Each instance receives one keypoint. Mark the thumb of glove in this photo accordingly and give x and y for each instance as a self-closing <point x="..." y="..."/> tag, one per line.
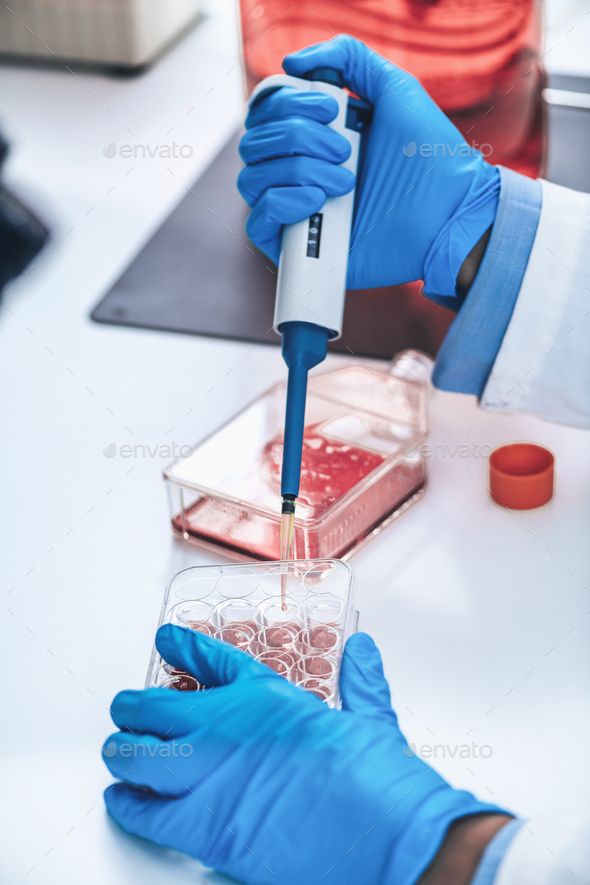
<point x="363" y="686"/>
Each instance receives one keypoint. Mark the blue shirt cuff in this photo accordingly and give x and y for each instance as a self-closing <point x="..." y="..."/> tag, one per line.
<point x="472" y="343"/>
<point x="493" y="855"/>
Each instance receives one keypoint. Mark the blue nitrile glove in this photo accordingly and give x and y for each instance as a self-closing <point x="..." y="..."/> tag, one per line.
<point x="424" y="197"/>
<point x="262" y="781"/>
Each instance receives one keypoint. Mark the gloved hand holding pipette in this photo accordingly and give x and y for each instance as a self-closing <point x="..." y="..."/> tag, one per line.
<point x="264" y="782"/>
<point x="301" y="149"/>
<point x="313" y="259"/>
<point x="506" y="252"/>
<point x="420" y="209"/>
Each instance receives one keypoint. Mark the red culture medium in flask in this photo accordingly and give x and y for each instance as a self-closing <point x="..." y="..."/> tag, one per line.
<point x="479" y="59"/>
<point x="329" y="467"/>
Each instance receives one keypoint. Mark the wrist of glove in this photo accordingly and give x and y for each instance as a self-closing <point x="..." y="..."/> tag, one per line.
<point x="264" y="782"/>
<point x="468" y="223"/>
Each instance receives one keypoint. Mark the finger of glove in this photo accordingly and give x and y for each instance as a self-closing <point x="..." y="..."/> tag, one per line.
<point x="254" y="180"/>
<point x="365" y="72"/>
<point x="294" y="136"/>
<point x="279" y="206"/>
<point x="290" y="102"/>
<point x="223" y="721"/>
<point x="169" y="767"/>
<point x="160" y="711"/>
<point x="184" y="824"/>
<point x="363" y="686"/>
<point x="149" y="815"/>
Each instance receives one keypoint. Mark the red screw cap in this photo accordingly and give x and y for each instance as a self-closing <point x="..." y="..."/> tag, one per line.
<point x="521" y="476"/>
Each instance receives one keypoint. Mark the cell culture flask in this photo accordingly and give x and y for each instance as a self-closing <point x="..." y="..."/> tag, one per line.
<point x="363" y="464"/>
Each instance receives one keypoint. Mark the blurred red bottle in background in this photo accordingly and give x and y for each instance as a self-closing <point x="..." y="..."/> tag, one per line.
<point x="481" y="60"/>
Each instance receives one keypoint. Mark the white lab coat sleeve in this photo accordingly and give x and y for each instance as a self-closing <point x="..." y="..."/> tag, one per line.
<point x="543" y="365"/>
<point x="549" y="850"/>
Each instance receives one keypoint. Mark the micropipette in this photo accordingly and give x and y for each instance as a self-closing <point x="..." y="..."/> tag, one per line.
<point x="311" y="283"/>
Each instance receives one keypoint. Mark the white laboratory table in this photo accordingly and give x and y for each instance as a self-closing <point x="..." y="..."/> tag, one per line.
<point x="482" y="615"/>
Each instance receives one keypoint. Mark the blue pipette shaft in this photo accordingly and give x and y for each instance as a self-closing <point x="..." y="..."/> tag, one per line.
<point x="304" y="346"/>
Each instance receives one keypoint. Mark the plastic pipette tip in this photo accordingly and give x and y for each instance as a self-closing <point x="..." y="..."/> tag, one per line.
<point x="287" y="532"/>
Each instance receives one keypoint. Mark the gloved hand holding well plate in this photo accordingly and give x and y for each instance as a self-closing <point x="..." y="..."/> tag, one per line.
<point x="262" y="781"/>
